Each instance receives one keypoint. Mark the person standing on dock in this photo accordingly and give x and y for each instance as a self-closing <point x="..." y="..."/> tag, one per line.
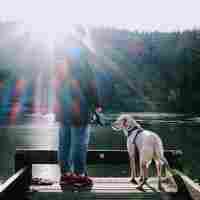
<point x="76" y="97"/>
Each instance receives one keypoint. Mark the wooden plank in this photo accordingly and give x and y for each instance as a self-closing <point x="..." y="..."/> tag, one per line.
<point x="16" y="184"/>
<point x="108" y="188"/>
<point x="104" y="189"/>
<point x="108" y="185"/>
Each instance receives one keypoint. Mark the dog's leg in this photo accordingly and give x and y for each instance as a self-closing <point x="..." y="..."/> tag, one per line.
<point x="141" y="173"/>
<point x="133" y="172"/>
<point x="145" y="175"/>
<point x="158" y="170"/>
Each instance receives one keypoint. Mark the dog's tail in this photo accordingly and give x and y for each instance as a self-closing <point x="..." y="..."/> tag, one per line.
<point x="165" y="162"/>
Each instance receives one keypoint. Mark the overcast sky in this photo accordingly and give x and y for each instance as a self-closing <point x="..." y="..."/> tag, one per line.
<point x="163" y="15"/>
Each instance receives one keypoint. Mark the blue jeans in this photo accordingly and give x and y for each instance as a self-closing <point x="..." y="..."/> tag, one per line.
<point x="73" y="147"/>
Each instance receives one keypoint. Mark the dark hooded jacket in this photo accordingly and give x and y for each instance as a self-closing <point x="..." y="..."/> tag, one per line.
<point x="77" y="94"/>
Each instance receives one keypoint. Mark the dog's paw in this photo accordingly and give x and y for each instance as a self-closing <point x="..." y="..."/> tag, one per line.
<point x="140" y="187"/>
<point x="132" y="180"/>
<point x="141" y="179"/>
<point x="160" y="187"/>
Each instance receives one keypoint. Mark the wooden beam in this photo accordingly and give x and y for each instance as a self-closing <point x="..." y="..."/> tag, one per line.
<point x="95" y="156"/>
<point x="17" y="184"/>
<point x="186" y="185"/>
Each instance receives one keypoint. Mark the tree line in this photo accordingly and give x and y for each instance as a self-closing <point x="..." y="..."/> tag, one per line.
<point x="162" y="68"/>
<point x="151" y="71"/>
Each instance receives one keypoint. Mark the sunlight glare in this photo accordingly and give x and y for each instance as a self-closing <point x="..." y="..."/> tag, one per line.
<point x="47" y="30"/>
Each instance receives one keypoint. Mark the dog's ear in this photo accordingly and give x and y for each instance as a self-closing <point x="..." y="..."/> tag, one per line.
<point x="124" y="122"/>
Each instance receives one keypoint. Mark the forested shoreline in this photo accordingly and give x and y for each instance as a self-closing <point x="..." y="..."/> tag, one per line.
<point x="152" y="71"/>
<point x="163" y="69"/>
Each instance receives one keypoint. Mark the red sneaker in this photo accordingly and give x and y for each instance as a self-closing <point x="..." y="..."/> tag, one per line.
<point x="83" y="181"/>
<point x="68" y="179"/>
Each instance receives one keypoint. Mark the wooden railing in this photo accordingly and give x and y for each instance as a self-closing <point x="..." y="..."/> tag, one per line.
<point x="17" y="184"/>
<point x="95" y="156"/>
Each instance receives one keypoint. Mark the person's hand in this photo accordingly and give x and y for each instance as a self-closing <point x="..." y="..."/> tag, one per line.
<point x="99" y="109"/>
<point x="49" y="117"/>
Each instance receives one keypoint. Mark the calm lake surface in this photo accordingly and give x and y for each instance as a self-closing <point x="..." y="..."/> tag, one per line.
<point x="176" y="130"/>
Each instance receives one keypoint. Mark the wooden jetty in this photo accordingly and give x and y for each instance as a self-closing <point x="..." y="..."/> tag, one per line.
<point x="177" y="186"/>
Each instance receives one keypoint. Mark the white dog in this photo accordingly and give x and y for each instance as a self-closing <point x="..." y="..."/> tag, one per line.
<point x="149" y="146"/>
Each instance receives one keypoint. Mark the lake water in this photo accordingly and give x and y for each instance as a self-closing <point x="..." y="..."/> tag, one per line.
<point x="177" y="132"/>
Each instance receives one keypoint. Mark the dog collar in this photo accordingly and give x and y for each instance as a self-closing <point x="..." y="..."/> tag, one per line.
<point x="133" y="129"/>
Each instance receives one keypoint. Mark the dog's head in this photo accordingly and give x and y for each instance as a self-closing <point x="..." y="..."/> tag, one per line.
<point x="125" y="122"/>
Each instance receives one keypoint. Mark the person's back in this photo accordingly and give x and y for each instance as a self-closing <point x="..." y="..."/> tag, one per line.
<point x="77" y="93"/>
